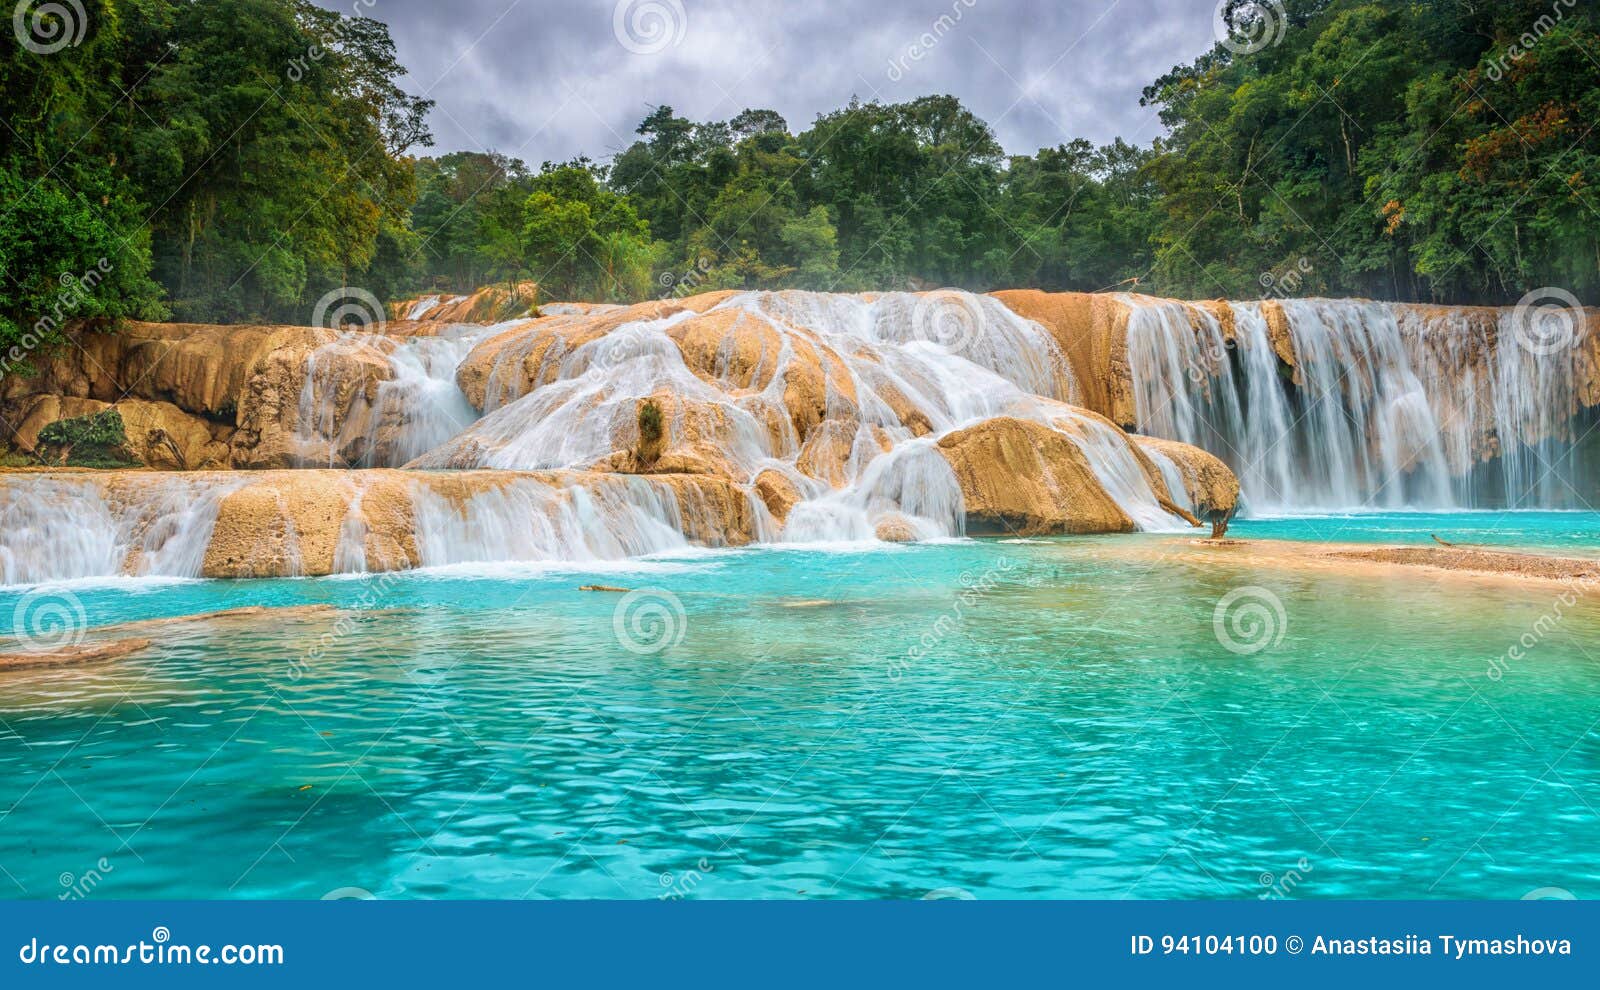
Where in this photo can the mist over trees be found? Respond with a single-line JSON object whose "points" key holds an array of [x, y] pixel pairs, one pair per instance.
{"points": [[237, 161]]}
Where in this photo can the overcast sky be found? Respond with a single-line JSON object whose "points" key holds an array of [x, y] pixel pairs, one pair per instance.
{"points": [[549, 79]]}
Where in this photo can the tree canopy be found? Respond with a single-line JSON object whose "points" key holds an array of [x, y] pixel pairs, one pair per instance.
{"points": [[218, 162]]}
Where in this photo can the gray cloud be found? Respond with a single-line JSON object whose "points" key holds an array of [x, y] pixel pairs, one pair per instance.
{"points": [[546, 80]]}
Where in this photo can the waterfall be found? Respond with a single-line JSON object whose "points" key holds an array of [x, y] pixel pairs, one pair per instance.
{"points": [[421, 407], [834, 405], [1385, 406], [530, 520], [862, 369], [422, 307], [912, 482], [58, 529], [415, 403]]}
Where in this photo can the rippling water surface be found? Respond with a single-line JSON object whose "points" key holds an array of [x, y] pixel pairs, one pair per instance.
{"points": [[999, 719]]}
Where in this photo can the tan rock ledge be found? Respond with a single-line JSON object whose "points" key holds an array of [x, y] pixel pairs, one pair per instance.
{"points": [[79, 655]]}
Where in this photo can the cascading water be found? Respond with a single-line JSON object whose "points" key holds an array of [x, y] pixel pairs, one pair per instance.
{"points": [[416, 407], [421, 407], [948, 360], [422, 307], [1384, 406], [61, 530], [843, 399], [529, 520], [65, 529]]}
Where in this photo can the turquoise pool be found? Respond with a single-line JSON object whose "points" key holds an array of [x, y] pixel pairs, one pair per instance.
{"points": [[984, 718], [1573, 533]]}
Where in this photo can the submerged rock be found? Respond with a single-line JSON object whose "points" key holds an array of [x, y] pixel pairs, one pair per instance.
{"points": [[76, 655]]}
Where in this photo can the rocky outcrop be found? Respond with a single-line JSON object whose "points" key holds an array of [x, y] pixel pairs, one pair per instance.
{"points": [[1020, 478], [1092, 331], [1211, 490], [284, 423], [490, 304], [180, 387], [280, 524], [199, 368], [160, 435], [778, 493]]}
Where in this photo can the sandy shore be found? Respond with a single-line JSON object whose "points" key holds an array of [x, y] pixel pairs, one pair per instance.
{"points": [[1363, 559], [1526, 565]]}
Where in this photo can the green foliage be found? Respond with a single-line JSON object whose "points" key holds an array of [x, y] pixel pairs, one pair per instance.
{"points": [[97, 440], [64, 261], [650, 430], [1432, 150], [236, 161], [581, 240], [72, 245]]}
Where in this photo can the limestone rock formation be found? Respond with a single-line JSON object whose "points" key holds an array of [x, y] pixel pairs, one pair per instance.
{"points": [[1210, 489], [529, 354], [1092, 331], [160, 435], [790, 415], [490, 304], [278, 427], [1020, 478], [778, 493]]}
